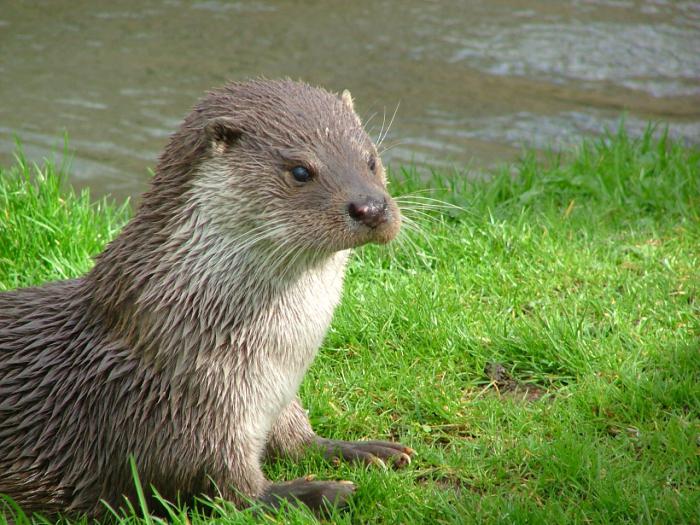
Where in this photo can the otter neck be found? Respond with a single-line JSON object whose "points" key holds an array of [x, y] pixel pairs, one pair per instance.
{"points": [[186, 287]]}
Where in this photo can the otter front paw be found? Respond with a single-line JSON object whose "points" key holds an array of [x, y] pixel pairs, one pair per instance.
{"points": [[369, 452], [319, 496]]}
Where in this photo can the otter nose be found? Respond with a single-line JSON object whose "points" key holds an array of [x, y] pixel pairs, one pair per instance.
{"points": [[369, 211]]}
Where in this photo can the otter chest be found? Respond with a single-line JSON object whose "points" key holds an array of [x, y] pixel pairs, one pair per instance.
{"points": [[284, 337]]}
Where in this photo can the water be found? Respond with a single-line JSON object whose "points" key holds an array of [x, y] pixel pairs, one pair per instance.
{"points": [[474, 81]]}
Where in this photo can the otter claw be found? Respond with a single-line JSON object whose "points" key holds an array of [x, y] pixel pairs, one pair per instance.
{"points": [[374, 460]]}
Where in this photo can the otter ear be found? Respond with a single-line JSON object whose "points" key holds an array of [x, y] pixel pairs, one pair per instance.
{"points": [[346, 97], [222, 131]]}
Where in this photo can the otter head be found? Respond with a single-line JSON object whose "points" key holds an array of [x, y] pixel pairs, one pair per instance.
{"points": [[291, 163]]}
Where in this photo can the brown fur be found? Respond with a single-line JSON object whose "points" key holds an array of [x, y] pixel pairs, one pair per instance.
{"points": [[201, 315]]}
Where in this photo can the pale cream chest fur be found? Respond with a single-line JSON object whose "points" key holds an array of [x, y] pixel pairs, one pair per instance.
{"points": [[287, 338]]}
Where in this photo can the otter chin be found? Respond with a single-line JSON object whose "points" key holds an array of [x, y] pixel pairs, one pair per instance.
{"points": [[184, 347]]}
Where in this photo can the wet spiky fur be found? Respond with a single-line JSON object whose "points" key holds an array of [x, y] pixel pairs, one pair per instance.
{"points": [[186, 343]]}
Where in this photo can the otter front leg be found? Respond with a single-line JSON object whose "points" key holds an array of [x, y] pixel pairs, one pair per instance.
{"points": [[292, 433], [290, 436]]}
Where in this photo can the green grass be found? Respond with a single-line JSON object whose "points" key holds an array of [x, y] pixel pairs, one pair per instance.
{"points": [[580, 276], [47, 232]]}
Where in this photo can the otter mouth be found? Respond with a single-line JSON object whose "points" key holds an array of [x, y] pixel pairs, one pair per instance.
{"points": [[374, 220]]}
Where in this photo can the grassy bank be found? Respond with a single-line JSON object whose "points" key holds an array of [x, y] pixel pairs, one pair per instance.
{"points": [[538, 345], [47, 232]]}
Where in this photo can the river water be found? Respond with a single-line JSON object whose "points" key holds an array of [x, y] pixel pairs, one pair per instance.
{"points": [[471, 82]]}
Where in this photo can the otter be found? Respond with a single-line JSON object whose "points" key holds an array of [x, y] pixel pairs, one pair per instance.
{"points": [[184, 346]]}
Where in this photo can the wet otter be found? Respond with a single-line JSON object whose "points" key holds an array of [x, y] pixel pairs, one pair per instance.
{"points": [[185, 345]]}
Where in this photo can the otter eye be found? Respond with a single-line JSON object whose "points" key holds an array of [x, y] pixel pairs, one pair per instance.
{"points": [[301, 174], [372, 164]]}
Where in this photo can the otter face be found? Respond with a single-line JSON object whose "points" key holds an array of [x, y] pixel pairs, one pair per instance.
{"points": [[350, 203], [295, 159]]}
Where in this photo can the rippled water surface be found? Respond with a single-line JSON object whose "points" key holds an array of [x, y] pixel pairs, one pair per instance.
{"points": [[473, 81]]}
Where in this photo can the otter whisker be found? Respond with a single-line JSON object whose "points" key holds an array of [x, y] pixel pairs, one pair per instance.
{"points": [[378, 142], [296, 253], [264, 231], [391, 146], [428, 205], [415, 227], [261, 228], [369, 120], [421, 216], [429, 201], [383, 136], [406, 241], [412, 225], [422, 190]]}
